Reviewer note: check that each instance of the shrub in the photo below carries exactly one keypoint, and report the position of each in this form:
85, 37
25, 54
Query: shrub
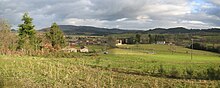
189, 73
218, 73
162, 71
218, 49
201, 75
213, 74
174, 73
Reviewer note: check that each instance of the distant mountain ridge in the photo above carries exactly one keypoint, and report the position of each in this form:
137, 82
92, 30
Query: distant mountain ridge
182, 30
89, 30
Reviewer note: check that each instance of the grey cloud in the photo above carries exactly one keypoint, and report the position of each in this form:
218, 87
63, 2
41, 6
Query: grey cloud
216, 2
215, 11
116, 9
133, 14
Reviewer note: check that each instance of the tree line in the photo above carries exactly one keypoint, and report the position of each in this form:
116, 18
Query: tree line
28, 41
206, 42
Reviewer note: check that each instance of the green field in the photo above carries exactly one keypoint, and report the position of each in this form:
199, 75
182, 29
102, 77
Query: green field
128, 66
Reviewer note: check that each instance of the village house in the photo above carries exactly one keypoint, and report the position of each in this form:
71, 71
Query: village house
83, 49
85, 40
118, 42
161, 42
69, 50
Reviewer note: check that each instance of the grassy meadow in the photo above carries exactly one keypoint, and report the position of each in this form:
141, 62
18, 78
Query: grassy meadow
128, 66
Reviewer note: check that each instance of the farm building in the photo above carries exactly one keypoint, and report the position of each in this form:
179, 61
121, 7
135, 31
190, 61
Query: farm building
69, 50
84, 49
118, 42
161, 42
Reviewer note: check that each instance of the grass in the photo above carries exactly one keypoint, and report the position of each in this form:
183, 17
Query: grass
137, 59
43, 72
127, 66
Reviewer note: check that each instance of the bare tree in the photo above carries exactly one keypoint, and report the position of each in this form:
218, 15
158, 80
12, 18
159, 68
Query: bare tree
8, 39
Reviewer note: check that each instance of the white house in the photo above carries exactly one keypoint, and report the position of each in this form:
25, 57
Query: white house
84, 49
161, 42
69, 50
119, 42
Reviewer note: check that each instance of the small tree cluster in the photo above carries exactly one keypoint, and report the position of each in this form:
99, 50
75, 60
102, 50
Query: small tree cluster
111, 41
28, 41
56, 37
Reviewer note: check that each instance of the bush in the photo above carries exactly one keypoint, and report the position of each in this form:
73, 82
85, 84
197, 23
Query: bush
174, 73
198, 46
201, 75
189, 73
162, 71
218, 49
213, 74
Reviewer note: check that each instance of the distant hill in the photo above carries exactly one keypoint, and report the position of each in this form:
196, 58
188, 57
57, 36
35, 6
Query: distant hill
89, 30
181, 30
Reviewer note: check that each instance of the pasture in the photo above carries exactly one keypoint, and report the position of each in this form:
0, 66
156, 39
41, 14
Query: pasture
126, 66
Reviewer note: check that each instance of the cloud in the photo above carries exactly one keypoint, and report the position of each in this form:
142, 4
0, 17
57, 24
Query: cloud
217, 2
127, 14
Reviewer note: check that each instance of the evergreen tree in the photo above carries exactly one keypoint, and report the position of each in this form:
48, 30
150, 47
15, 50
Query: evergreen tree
151, 39
56, 37
27, 33
155, 39
138, 38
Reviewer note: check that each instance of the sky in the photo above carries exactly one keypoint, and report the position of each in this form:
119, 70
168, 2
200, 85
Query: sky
124, 14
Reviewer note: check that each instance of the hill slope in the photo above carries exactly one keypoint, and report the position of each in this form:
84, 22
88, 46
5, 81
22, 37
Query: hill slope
182, 30
89, 30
